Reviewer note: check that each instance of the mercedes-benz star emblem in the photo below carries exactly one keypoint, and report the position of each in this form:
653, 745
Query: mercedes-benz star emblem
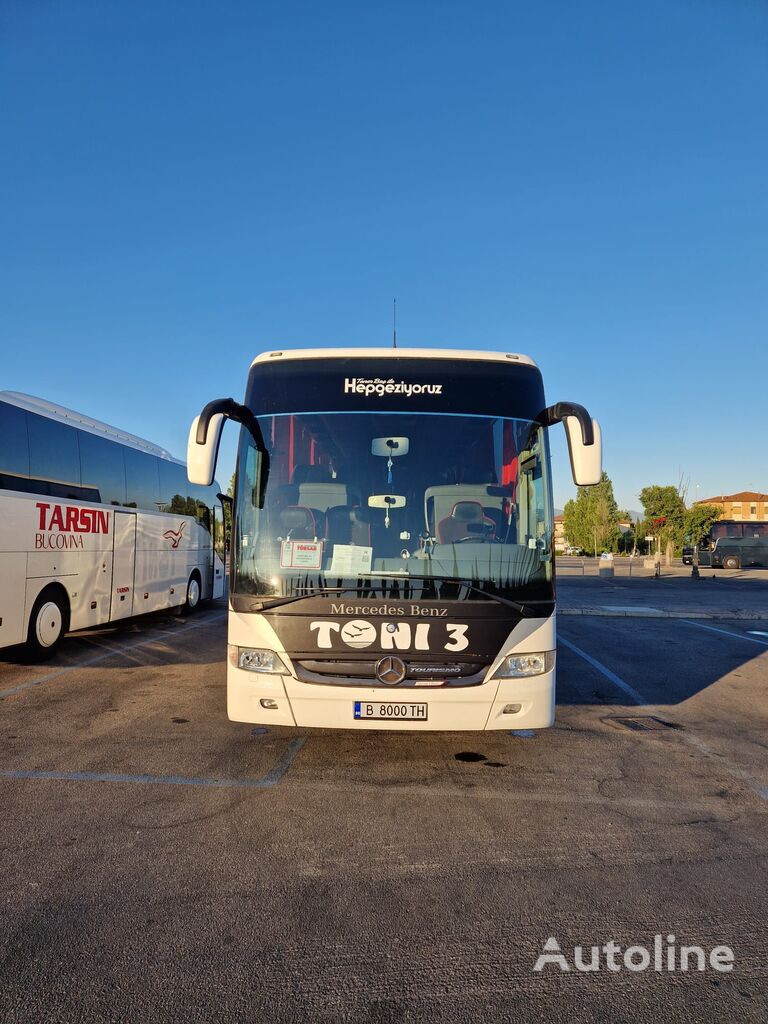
390, 671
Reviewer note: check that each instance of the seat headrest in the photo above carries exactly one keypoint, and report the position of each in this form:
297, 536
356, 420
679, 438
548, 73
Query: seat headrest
297, 517
467, 511
349, 513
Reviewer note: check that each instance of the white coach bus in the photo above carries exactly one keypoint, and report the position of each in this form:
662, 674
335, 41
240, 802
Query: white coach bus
95, 525
392, 550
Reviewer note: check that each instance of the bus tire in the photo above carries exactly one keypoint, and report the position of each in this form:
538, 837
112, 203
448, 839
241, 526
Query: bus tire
731, 562
194, 593
48, 623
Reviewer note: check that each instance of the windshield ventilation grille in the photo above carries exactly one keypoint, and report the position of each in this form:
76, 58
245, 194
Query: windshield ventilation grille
337, 672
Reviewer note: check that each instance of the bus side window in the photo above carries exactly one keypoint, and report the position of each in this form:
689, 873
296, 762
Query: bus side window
175, 489
54, 456
204, 516
201, 501
142, 479
14, 447
103, 468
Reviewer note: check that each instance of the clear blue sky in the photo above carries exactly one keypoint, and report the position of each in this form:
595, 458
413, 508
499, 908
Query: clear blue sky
183, 185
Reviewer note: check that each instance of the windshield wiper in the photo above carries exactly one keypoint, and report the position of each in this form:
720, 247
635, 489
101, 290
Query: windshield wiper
278, 601
521, 606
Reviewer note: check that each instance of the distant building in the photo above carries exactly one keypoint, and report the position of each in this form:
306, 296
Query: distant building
745, 505
561, 541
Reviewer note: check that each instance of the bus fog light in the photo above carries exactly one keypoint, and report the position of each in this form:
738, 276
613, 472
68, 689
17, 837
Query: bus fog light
268, 703
511, 709
517, 666
255, 659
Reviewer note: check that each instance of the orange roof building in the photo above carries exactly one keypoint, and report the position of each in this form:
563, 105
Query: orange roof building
744, 505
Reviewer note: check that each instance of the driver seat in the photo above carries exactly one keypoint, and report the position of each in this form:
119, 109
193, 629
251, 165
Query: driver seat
467, 519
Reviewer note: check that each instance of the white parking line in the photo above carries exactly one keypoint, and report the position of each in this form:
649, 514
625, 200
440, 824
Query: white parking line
630, 691
113, 652
725, 632
685, 735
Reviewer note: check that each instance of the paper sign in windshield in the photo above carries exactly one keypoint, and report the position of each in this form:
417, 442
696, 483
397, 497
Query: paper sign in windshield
350, 560
301, 554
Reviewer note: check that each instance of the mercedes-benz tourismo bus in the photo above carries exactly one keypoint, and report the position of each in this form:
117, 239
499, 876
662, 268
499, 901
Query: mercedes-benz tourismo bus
95, 525
392, 550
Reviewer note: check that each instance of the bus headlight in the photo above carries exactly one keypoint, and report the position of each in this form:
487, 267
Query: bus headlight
255, 659
517, 666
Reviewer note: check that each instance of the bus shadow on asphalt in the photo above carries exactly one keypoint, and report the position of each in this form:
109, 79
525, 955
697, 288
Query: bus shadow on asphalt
110, 639
654, 661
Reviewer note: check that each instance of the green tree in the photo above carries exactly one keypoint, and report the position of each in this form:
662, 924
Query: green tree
665, 513
591, 519
699, 520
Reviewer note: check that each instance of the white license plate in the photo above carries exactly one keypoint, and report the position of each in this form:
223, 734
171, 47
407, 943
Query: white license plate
389, 711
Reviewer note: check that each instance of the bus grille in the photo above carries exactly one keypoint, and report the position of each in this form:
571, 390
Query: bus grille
335, 672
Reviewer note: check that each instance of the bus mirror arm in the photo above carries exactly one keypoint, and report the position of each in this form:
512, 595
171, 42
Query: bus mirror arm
557, 413
231, 410
585, 444
205, 434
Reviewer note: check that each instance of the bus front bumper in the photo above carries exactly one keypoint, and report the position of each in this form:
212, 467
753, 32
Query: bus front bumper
271, 699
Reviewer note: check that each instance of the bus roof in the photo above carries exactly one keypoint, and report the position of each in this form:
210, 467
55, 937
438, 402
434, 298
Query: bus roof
394, 353
82, 422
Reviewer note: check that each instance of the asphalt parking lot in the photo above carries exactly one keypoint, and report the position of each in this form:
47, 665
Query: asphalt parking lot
160, 863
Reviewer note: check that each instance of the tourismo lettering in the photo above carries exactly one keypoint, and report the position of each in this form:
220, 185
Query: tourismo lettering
72, 518
379, 387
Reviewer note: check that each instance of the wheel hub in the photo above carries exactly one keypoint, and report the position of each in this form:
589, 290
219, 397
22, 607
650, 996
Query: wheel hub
49, 624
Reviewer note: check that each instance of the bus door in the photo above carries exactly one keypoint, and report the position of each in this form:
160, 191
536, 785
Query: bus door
123, 565
219, 552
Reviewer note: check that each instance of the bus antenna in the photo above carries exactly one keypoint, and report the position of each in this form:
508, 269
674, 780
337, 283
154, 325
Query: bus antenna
394, 323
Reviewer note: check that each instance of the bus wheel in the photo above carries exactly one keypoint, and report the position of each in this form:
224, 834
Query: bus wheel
193, 594
730, 562
48, 623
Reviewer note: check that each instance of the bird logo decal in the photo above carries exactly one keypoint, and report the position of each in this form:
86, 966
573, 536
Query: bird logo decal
174, 536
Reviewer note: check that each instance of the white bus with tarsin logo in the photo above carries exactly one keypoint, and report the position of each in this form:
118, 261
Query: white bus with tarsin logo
96, 525
392, 551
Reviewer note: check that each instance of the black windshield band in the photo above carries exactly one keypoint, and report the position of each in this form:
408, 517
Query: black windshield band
537, 596
353, 384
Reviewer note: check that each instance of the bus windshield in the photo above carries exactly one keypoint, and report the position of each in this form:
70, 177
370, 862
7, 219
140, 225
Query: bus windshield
364, 500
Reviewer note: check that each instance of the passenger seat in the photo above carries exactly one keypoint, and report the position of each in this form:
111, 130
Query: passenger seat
349, 524
467, 519
298, 522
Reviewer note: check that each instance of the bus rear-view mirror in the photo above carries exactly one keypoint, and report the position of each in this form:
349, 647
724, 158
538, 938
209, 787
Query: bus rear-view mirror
201, 458
390, 447
586, 459
585, 444
386, 501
